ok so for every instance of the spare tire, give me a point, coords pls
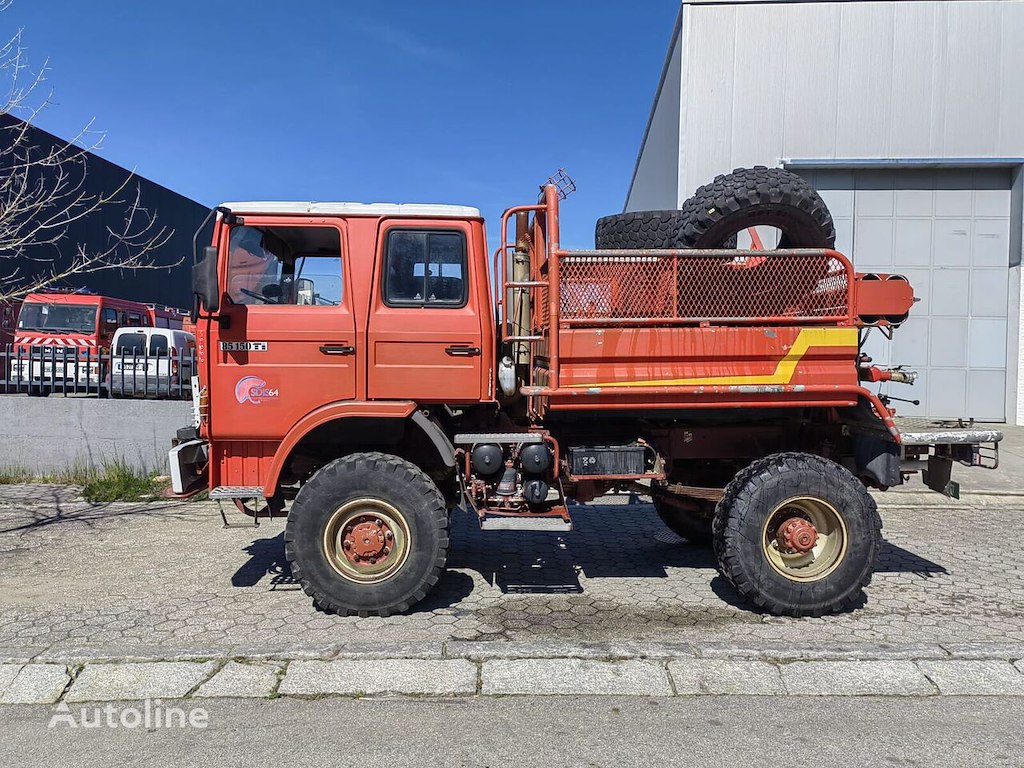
(758, 196)
(644, 229)
(716, 212)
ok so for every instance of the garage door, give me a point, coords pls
(948, 232)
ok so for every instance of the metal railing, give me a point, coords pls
(88, 371)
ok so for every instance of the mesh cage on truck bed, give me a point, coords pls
(670, 287)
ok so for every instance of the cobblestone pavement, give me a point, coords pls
(82, 580)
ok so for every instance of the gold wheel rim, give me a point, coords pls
(829, 549)
(366, 540)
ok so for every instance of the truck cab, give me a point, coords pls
(340, 306)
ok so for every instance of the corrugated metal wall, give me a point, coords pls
(762, 82)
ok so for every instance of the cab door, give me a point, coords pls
(424, 333)
(286, 343)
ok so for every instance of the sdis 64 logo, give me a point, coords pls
(253, 389)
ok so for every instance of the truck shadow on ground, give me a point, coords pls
(612, 541)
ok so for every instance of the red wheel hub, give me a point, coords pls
(797, 535)
(366, 539)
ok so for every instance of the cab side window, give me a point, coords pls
(285, 266)
(425, 268)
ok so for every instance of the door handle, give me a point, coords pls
(462, 351)
(337, 349)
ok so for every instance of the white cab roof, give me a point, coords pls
(355, 209)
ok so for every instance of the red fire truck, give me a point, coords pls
(354, 360)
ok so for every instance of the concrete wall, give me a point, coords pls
(47, 434)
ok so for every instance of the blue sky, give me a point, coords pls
(473, 103)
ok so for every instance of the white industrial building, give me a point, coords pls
(908, 117)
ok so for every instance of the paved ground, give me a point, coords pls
(167, 577)
(603, 731)
(586, 612)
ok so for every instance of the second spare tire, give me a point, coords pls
(716, 212)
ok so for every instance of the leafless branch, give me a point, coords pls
(44, 194)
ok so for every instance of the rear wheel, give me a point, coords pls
(367, 535)
(797, 535)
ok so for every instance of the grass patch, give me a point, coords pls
(15, 475)
(120, 482)
(115, 481)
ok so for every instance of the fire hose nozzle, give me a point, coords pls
(903, 377)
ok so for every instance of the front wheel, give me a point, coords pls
(797, 534)
(367, 535)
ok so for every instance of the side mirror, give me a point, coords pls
(304, 291)
(204, 280)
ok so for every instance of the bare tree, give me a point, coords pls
(43, 194)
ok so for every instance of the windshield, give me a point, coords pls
(57, 318)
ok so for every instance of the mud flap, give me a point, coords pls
(877, 460)
(937, 476)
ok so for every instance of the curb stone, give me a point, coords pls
(998, 651)
(238, 680)
(975, 678)
(856, 678)
(36, 684)
(134, 680)
(725, 676)
(823, 652)
(490, 675)
(446, 677)
(573, 677)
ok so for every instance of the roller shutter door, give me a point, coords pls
(948, 232)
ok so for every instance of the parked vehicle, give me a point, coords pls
(151, 362)
(166, 317)
(354, 358)
(61, 337)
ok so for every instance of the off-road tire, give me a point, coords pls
(751, 498)
(716, 212)
(694, 525)
(375, 476)
(644, 229)
(757, 196)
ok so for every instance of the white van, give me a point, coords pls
(151, 362)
